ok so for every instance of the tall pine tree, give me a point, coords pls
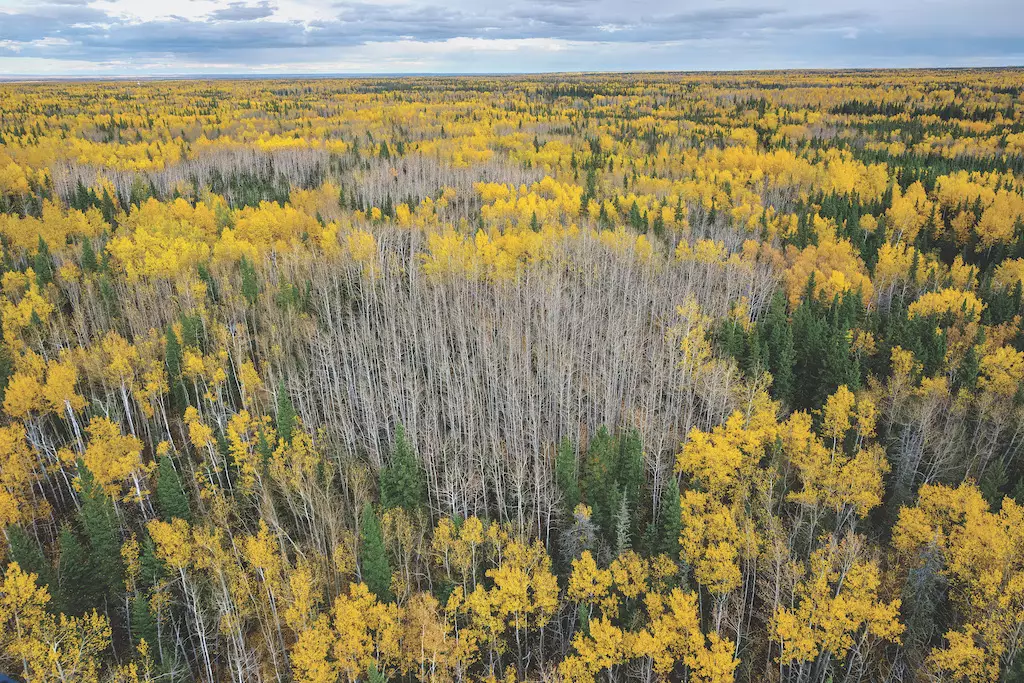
(373, 559)
(101, 528)
(401, 481)
(170, 495)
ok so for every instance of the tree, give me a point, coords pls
(26, 552)
(401, 481)
(250, 284)
(565, 475)
(170, 495)
(101, 528)
(76, 589)
(287, 419)
(374, 567)
(835, 603)
(172, 363)
(43, 264)
(89, 262)
(669, 520)
(777, 337)
(612, 478)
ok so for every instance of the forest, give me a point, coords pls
(700, 377)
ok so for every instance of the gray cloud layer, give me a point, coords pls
(620, 34)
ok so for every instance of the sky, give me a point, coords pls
(266, 37)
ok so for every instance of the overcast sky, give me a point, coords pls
(127, 37)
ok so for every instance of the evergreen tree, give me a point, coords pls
(731, 339)
(635, 219)
(780, 351)
(43, 264)
(192, 332)
(172, 363)
(142, 621)
(565, 475)
(171, 498)
(669, 520)
(151, 569)
(25, 550)
(373, 560)
(108, 209)
(250, 285)
(753, 361)
(77, 590)
(374, 675)
(631, 469)
(6, 370)
(100, 523)
(599, 485)
(89, 262)
(839, 366)
(623, 524)
(109, 296)
(966, 376)
(207, 278)
(401, 481)
(612, 477)
(286, 416)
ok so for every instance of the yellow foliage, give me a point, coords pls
(18, 475)
(1002, 372)
(963, 305)
(835, 265)
(114, 458)
(835, 599)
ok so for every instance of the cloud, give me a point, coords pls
(47, 21)
(239, 11)
(469, 35)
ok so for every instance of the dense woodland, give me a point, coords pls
(692, 377)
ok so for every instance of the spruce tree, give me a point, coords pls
(89, 262)
(43, 264)
(599, 485)
(151, 569)
(143, 624)
(401, 481)
(631, 469)
(623, 525)
(250, 285)
(101, 528)
(565, 475)
(669, 520)
(286, 416)
(374, 675)
(777, 335)
(25, 550)
(108, 209)
(373, 559)
(966, 376)
(6, 370)
(172, 362)
(170, 495)
(808, 357)
(76, 590)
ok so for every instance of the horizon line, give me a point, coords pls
(16, 78)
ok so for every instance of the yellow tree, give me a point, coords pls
(48, 647)
(836, 608)
(983, 564)
(673, 637)
(115, 458)
(834, 475)
(18, 479)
